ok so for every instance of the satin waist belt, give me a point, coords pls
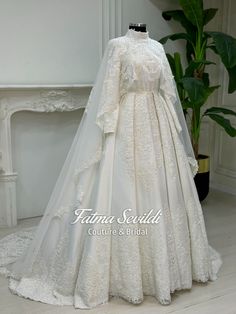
(167, 104)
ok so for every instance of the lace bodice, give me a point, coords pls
(137, 63)
(140, 64)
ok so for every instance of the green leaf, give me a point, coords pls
(195, 89)
(178, 66)
(173, 37)
(189, 52)
(178, 15)
(232, 79)
(225, 47)
(219, 110)
(211, 89)
(208, 15)
(225, 123)
(205, 79)
(193, 10)
(193, 65)
(186, 104)
(213, 48)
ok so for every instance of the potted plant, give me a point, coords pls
(193, 83)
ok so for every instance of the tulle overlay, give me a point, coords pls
(142, 165)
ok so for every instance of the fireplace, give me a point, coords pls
(33, 98)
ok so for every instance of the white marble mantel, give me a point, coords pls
(38, 98)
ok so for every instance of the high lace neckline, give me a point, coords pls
(135, 35)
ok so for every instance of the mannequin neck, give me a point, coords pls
(138, 28)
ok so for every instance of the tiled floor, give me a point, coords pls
(215, 297)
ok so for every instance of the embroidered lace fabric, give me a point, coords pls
(130, 152)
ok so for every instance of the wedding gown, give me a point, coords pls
(136, 156)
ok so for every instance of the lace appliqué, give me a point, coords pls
(63, 210)
(110, 97)
(87, 164)
(147, 141)
(194, 165)
(13, 246)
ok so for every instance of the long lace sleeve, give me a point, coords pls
(169, 91)
(108, 110)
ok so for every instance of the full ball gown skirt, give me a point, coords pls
(143, 167)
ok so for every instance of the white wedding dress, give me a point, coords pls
(136, 156)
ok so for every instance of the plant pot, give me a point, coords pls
(202, 178)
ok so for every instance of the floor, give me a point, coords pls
(214, 297)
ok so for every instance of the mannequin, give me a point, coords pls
(139, 27)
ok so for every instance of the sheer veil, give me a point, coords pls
(169, 89)
(87, 146)
(85, 152)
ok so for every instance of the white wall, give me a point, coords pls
(62, 41)
(49, 42)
